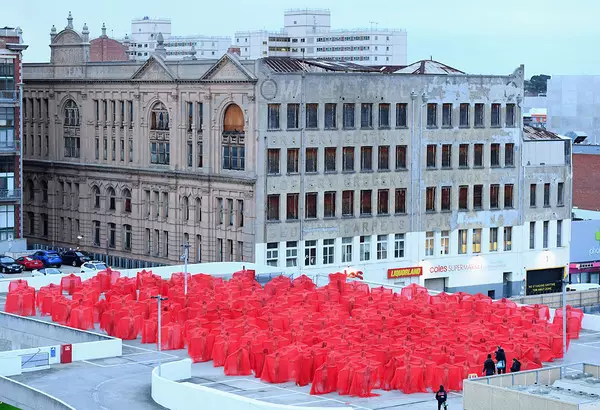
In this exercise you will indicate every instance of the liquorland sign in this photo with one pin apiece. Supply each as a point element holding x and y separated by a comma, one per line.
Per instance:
<point>404,272</point>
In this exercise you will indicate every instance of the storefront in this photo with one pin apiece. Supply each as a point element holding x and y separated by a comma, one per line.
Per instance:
<point>585,252</point>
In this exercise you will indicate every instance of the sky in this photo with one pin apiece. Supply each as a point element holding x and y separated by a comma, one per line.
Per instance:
<point>479,37</point>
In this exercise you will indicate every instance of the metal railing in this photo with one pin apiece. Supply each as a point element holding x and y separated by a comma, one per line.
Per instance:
<point>563,372</point>
<point>10,194</point>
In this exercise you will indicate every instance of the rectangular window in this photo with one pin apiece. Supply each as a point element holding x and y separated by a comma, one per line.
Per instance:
<point>560,194</point>
<point>493,239</point>
<point>122,149</point>
<point>291,253</point>
<point>494,196</point>
<point>365,248</point>
<point>400,157</point>
<point>105,150</point>
<point>464,115</point>
<point>478,122</point>
<point>401,115</point>
<point>347,203</point>
<point>312,155</point>
<point>130,142</point>
<point>400,201</point>
<point>478,157</point>
<point>272,208</point>
<point>445,243</point>
<point>532,190</point>
<point>240,210</point>
<point>509,155</point>
<point>447,115</point>
<point>311,205</point>
<point>112,234</point>
<point>292,160</point>
<point>220,257</point>
<point>429,243</point>
<point>382,247</point>
<point>431,155</point>
<point>272,254</point>
<point>447,156</point>
<point>510,115</point>
<point>349,109</point>
<point>293,116</point>
<point>113,149</point>
<point>165,244</point>
<point>430,199</point>
<point>366,115</point>
<point>532,235</point>
<point>330,159</point>
<point>495,155</point>
<point>312,116</point>
<point>399,245</point>
<point>348,159</point>
<point>96,232</point>
<point>462,241</point>
<point>366,158</point>
<point>330,116</point>
<point>384,115</point>
<point>190,116</point>
<point>546,195</point>
<point>165,205</point>
<point>463,156</point>
<point>432,115</point>
<point>507,238</point>
<point>105,110</point>
<point>477,240</point>
<point>328,251</point>
<point>329,204</point>
<point>96,110</point>
<point>365,202</point>
<point>310,253</point>
<point>113,112</point>
<point>292,207</point>
<point>273,161</point>
<point>477,196</point>
<point>346,250</point>
<point>383,201</point>
<point>495,120</point>
<point>463,197</point>
<point>546,228</point>
<point>273,116</point>
<point>130,104</point>
<point>508,196</point>
<point>446,198</point>
<point>558,233</point>
<point>160,152</point>
<point>383,158</point>
<point>190,154</point>
<point>229,207</point>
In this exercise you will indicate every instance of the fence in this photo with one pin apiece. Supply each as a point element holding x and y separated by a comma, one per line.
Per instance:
<point>554,300</point>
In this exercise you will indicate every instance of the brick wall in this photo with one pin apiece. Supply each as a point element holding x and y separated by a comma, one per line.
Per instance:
<point>586,181</point>
<point>107,49</point>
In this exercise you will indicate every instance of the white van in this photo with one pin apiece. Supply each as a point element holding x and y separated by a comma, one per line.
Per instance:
<point>578,287</point>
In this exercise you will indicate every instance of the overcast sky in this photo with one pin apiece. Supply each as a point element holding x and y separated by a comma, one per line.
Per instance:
<point>479,37</point>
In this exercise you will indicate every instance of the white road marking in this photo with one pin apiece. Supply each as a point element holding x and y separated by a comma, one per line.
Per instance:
<point>277,395</point>
<point>309,402</point>
<point>151,351</point>
<point>144,362</point>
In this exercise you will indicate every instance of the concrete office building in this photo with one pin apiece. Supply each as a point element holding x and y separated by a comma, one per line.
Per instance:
<point>11,48</point>
<point>307,33</point>
<point>409,178</point>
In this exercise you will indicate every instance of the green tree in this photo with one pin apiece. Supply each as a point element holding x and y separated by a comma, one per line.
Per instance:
<point>537,84</point>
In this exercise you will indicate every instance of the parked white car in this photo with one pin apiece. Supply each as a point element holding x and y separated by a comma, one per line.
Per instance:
<point>46,271</point>
<point>93,267</point>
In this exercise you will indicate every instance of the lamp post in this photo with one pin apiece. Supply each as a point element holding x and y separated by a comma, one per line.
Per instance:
<point>185,257</point>
<point>564,311</point>
<point>159,299</point>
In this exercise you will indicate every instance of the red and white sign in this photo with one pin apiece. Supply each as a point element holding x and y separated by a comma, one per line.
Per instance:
<point>404,272</point>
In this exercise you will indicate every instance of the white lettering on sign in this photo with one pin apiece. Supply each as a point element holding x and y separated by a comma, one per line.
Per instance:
<point>456,268</point>
<point>594,251</point>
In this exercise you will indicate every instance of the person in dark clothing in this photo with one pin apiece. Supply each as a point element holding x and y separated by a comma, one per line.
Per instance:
<point>489,368</point>
<point>441,396</point>
<point>516,366</point>
<point>501,360</point>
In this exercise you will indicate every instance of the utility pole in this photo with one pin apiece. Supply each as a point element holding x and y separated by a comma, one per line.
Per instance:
<point>159,298</point>
<point>185,257</point>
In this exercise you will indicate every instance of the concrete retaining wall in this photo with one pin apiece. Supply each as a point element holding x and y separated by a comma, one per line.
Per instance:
<point>27,398</point>
<point>167,392</point>
<point>554,300</point>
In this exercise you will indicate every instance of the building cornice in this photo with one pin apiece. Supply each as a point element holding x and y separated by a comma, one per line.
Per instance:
<point>134,82</point>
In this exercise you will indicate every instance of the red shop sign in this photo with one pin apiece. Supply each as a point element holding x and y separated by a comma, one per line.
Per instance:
<point>404,272</point>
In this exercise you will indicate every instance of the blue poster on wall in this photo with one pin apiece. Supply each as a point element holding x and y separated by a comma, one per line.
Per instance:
<point>53,352</point>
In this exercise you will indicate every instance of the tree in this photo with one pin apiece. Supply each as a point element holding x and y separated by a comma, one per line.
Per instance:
<point>537,84</point>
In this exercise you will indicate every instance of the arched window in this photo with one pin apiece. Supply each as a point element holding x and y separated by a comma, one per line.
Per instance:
<point>112,199</point>
<point>198,210</point>
<point>30,190</point>
<point>71,129</point>
<point>96,196</point>
<point>233,141</point>
<point>185,208</point>
<point>160,149</point>
<point>126,200</point>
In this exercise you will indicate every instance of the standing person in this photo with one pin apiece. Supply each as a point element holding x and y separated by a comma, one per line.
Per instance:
<point>516,366</point>
<point>501,360</point>
<point>489,368</point>
<point>441,396</point>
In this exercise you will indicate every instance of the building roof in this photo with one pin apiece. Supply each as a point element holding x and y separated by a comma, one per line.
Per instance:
<point>540,134</point>
<point>294,65</point>
<point>428,67</point>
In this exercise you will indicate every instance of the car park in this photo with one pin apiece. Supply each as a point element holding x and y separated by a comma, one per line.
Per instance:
<point>93,267</point>
<point>49,258</point>
<point>75,257</point>
<point>9,265</point>
<point>47,271</point>
<point>28,263</point>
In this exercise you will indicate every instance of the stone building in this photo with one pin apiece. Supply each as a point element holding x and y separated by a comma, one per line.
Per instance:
<point>121,158</point>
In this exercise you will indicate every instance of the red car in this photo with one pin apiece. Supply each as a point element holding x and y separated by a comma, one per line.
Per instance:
<point>29,263</point>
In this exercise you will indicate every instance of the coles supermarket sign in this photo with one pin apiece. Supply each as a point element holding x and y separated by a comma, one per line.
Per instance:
<point>460,267</point>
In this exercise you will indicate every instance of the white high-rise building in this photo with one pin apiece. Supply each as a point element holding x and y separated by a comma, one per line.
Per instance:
<point>144,33</point>
<point>307,33</point>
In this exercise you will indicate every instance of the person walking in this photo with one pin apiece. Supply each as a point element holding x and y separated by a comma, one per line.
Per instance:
<point>516,366</point>
<point>441,396</point>
<point>489,368</point>
<point>501,360</point>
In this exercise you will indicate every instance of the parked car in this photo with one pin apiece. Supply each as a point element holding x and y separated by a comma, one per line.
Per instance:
<point>28,263</point>
<point>49,258</point>
<point>93,267</point>
<point>47,271</point>
<point>9,265</point>
<point>75,258</point>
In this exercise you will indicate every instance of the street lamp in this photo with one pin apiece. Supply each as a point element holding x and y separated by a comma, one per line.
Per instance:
<point>159,299</point>
<point>185,257</point>
<point>79,238</point>
<point>564,311</point>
